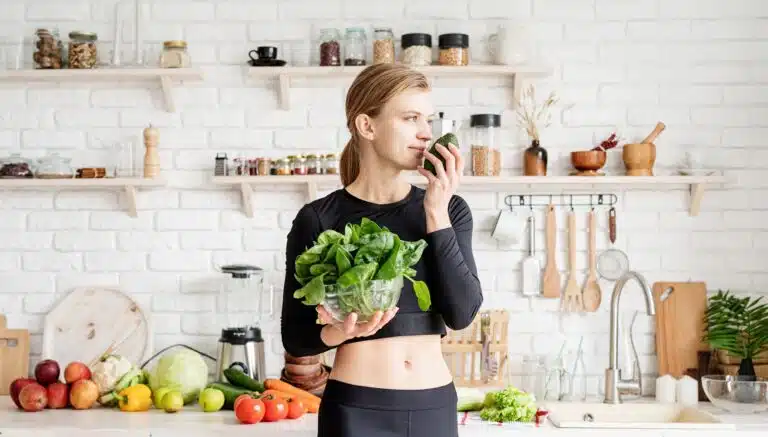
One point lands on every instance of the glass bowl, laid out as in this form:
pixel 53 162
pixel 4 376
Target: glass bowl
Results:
pixel 363 299
pixel 736 394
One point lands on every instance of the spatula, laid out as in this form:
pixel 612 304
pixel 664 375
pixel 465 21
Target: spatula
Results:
pixel 531 267
pixel 591 293
pixel 551 280
pixel 571 300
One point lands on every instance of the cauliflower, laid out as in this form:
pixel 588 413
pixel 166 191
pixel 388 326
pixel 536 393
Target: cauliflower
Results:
pixel 108 371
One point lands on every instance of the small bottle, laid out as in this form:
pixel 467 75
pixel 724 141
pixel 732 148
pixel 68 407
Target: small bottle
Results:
pixel 151 157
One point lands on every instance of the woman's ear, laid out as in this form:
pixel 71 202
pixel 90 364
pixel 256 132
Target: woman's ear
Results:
pixel 364 126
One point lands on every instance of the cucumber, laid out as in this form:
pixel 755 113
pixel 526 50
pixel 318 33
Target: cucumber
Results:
pixel 444 140
pixel 238 378
pixel 230 393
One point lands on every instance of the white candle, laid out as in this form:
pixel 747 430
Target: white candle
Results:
pixel 665 389
pixel 687 391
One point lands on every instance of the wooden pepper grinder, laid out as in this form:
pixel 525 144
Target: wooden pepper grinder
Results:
pixel 151 157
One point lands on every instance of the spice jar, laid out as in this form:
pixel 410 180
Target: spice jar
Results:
pixel 299 165
pixel 283 167
pixel 175 55
pixel 49 49
pixel 54 166
pixel 383 46
pixel 330 47
pixel 354 46
pixel 417 49
pixel 82 50
pixel 331 164
pixel 486 157
pixel 314 164
pixel 454 49
pixel 265 166
pixel 14 166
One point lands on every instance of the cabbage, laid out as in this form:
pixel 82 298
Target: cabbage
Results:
pixel 184 371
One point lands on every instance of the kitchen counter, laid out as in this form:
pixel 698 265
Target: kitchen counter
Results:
pixel 192 422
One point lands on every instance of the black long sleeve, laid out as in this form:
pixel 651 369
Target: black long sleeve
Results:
pixel 455 286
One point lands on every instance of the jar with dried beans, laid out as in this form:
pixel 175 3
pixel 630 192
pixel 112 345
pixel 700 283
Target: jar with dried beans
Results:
pixel 454 49
pixel 330 47
pixel 383 46
pixel 486 156
pixel 83 53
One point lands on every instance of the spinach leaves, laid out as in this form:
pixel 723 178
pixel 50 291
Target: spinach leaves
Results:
pixel 363 253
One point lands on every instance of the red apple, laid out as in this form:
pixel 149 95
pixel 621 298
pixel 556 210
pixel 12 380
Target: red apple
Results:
pixel 47 372
pixel 16 387
pixel 58 395
pixel 33 397
pixel 83 394
pixel 76 371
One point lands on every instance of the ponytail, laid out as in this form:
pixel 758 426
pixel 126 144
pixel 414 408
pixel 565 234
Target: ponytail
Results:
pixel 349 163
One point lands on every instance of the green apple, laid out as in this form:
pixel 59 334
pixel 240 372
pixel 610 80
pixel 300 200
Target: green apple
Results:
pixel 173 401
pixel 211 400
pixel 157 396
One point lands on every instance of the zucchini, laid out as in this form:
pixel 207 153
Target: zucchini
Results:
pixel 444 140
pixel 230 393
pixel 238 378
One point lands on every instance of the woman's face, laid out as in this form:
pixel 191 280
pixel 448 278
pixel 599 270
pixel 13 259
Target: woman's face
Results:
pixel 401 132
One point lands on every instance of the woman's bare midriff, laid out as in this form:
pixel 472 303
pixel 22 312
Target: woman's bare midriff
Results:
pixel 407 362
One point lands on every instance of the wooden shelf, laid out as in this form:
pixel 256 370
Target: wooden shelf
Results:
pixel 522 184
pixel 128 185
pixel 284 75
pixel 165 76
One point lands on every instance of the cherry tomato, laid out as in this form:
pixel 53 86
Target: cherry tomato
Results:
pixel 295 408
pixel 250 410
pixel 274 408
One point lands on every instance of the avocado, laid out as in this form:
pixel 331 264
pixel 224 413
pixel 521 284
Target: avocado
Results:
pixel 443 140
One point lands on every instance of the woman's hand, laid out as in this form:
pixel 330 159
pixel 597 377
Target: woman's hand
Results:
pixel 350 328
pixel 441 187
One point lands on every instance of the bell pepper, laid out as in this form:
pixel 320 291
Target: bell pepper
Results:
pixel 135 398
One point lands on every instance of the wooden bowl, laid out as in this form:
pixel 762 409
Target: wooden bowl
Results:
pixel 639 158
pixel 588 161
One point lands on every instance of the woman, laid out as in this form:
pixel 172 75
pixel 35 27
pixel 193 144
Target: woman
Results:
pixel 389 377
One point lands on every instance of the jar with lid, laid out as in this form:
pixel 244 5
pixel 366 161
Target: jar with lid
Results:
pixel 330 47
pixel 331 164
pixel 417 49
pixel 15 166
pixel 265 166
pixel 49 49
pixel 354 46
pixel 383 46
pixel 314 164
pixel 82 50
pixel 486 157
pixel 454 49
pixel 283 167
pixel 299 165
pixel 54 166
pixel 175 55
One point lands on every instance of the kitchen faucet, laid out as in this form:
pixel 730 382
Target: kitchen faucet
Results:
pixel 613 382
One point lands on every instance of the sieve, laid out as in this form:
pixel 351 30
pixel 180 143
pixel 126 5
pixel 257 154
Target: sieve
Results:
pixel 612 263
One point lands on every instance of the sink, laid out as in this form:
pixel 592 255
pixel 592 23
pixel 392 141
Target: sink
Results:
pixel 630 415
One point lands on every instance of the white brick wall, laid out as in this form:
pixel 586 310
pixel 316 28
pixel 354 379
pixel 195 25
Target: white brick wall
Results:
pixel 698 65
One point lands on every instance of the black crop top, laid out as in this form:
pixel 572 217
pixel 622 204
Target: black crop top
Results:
pixel 447 266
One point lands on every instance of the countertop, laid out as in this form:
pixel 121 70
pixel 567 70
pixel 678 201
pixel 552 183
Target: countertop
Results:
pixel 191 422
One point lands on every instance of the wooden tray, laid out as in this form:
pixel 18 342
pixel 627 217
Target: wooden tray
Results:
pixel 463 351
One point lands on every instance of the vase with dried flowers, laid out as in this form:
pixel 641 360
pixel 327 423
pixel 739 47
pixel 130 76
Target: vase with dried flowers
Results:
pixel 534 117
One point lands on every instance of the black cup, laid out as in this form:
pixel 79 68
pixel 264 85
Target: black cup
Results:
pixel 264 53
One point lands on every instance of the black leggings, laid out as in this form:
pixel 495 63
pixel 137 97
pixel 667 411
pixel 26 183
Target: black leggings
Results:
pixel 350 410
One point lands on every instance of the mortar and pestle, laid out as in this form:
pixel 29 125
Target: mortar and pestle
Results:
pixel 640 157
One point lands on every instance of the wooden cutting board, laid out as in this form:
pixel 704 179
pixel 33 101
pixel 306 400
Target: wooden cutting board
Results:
pixel 680 310
pixel 14 355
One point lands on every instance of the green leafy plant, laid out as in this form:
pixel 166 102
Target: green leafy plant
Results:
pixel 365 252
pixel 737 325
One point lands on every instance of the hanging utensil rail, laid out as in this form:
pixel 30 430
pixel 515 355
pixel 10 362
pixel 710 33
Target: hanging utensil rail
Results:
pixel 570 200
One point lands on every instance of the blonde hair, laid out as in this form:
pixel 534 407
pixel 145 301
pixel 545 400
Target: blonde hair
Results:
pixel 370 91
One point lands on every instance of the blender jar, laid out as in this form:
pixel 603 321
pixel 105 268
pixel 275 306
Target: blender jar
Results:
pixel 486 156
pixel 241 298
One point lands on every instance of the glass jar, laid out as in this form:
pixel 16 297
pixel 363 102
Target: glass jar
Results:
pixel 82 50
pixel 331 164
pixel 314 164
pixel 49 49
pixel 283 167
pixel 265 166
pixel 54 166
pixel 330 47
pixel 383 46
pixel 175 55
pixel 15 166
pixel 486 157
pixel 299 165
pixel 354 46
pixel 454 49
pixel 417 49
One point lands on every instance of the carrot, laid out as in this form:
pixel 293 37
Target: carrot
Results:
pixel 310 401
pixel 278 394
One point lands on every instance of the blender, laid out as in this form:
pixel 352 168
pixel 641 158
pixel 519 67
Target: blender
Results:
pixel 241 343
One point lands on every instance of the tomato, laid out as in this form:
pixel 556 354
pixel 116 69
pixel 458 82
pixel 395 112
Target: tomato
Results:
pixel 295 408
pixel 250 410
pixel 240 398
pixel 274 408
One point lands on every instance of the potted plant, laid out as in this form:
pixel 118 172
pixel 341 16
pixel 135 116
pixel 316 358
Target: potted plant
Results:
pixel 739 326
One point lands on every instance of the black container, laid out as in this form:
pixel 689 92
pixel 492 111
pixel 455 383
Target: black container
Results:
pixel 453 40
pixel 415 39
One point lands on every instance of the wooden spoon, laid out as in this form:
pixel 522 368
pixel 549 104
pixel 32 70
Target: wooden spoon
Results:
pixel 572 300
pixel 551 279
pixel 591 292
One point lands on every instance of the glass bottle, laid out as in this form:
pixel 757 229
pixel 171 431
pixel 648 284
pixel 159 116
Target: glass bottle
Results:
pixel 330 47
pixel 331 164
pixel 383 46
pixel 354 46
